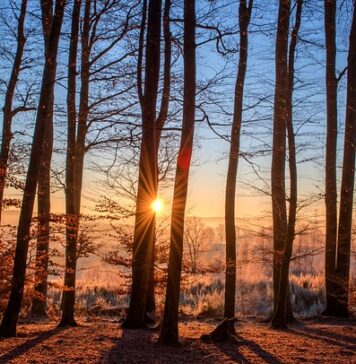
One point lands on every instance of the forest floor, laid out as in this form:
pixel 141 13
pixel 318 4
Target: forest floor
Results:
pixel 310 341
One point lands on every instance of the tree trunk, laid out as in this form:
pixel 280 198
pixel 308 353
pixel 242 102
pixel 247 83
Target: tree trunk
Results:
pixel 347 182
pixel 161 120
pixel 72 214
pixel 169 328
pixel 43 226
pixel 330 166
pixel 227 327
pixel 144 234
pixel 9 97
pixel 281 314
pixel 279 146
pixel 9 322
pixel 43 191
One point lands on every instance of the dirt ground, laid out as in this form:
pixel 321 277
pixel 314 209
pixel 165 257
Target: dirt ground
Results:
pixel 312 341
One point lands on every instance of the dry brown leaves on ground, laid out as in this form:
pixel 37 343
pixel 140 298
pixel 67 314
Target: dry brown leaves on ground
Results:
pixel 317 341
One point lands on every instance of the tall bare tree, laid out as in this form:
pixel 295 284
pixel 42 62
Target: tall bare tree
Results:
pixel 347 182
pixel 227 329
pixel 8 111
pixel 98 58
pixel 44 189
pixel 330 157
pixel 144 233
pixel 159 125
pixel 280 316
pixel 9 321
pixel 71 206
pixel 279 209
pixel 169 327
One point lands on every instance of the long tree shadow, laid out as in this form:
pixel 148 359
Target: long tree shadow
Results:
pixel 28 345
pixel 136 346
pixel 331 335
pixel 327 337
pixel 252 346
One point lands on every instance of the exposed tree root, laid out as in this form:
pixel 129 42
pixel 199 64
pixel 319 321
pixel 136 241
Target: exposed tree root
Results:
pixel 224 332
pixel 65 323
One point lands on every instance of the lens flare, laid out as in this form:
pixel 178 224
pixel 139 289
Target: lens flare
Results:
pixel 157 205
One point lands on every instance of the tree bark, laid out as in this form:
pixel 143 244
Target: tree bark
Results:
pixel 280 316
pixel 330 159
pixel 144 233
pixel 43 226
pixel 9 97
pixel 43 191
pixel 279 146
pixel 169 328
pixel 227 327
pixel 72 213
pixel 9 322
pixel 347 182
pixel 160 122
pixel 230 193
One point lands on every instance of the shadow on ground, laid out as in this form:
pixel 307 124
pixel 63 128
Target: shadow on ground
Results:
pixel 29 345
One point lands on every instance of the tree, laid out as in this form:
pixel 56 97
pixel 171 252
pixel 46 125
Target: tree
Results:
pixel 330 157
pixel 226 329
pixel 98 55
pixel 196 236
pixel 144 232
pixel 71 206
pixel 347 182
pixel 8 111
pixel 279 144
pixel 9 321
pixel 159 125
pixel 169 327
pixel 280 316
pixel 44 189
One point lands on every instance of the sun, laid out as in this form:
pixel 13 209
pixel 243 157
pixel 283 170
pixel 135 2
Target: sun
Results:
pixel 157 205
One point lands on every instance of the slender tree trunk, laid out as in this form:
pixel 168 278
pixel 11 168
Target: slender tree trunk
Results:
pixel 161 120
pixel 9 97
pixel 43 191
pixel 227 328
pixel 169 328
pixel 72 216
pixel 230 193
pixel 9 322
pixel 279 145
pixel 280 316
pixel 144 234
pixel 330 159
pixel 347 182
pixel 43 226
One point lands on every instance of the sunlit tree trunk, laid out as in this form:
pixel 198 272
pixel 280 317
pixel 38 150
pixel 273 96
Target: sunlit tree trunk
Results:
pixel 169 327
pixel 230 193
pixel 330 158
pixel 347 182
pixel 9 97
pixel 227 328
pixel 144 233
pixel 72 207
pixel 160 122
pixel 9 322
pixel 279 145
pixel 43 191
pixel 43 226
pixel 280 316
